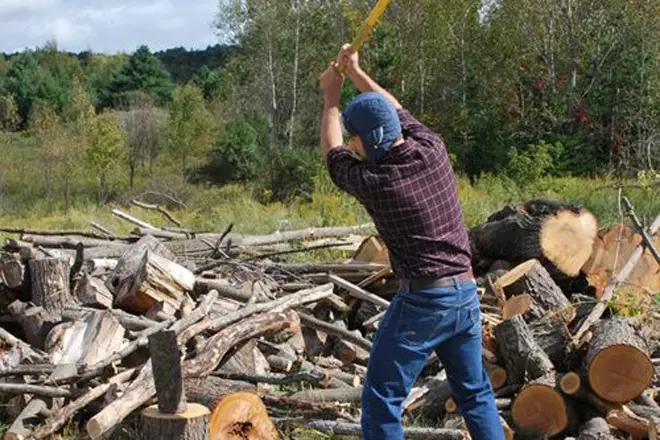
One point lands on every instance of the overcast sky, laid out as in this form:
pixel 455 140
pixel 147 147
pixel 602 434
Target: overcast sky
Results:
pixel 107 26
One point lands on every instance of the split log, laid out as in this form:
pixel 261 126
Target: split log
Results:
pixel 22 426
pixel 621 276
pixel 330 380
pixel 166 366
pixel 429 398
pixel 248 359
pixel 142 388
pixel 93 337
pixel 92 292
pixel 541 410
pixel 191 424
pixel 559 234
pixel 353 429
pixel 612 249
pixel 523 358
pixel 50 283
pixel 157 279
pixel 617 361
pixel 241 415
pixel 121 280
pixel 533 279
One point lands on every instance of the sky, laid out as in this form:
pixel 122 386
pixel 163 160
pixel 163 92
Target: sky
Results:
pixel 107 26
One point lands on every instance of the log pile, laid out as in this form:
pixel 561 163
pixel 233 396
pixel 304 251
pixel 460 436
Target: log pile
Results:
pixel 205 335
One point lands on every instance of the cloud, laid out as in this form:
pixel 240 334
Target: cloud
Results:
pixel 108 25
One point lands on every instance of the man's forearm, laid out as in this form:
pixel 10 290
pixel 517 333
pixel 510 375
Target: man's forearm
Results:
pixel 330 127
pixel 365 83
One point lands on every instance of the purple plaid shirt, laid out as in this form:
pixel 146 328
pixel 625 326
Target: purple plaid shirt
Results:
pixel 413 199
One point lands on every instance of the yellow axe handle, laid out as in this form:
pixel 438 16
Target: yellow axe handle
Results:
pixel 372 20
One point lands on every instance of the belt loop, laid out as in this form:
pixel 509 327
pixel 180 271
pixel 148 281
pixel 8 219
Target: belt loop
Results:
pixel 408 285
pixel 457 283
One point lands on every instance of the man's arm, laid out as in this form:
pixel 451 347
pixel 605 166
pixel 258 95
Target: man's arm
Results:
pixel 331 82
pixel 360 78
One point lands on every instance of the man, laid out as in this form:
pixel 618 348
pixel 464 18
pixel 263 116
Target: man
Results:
pixel 403 177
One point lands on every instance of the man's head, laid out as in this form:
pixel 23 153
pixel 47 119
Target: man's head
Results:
pixel 374 120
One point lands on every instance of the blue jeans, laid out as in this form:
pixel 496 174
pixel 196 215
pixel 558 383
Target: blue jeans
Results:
pixel 447 320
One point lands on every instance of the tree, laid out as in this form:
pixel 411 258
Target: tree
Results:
pixel 45 127
pixel 190 127
pixel 22 82
pixel 144 72
pixel 104 149
pixel 9 118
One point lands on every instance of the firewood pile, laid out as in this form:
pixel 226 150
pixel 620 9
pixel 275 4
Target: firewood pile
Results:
pixel 213 335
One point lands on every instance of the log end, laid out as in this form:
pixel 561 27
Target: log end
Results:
pixel 540 410
pixel 620 373
pixel 242 413
pixel 497 376
pixel 567 239
pixel 570 383
pixel 192 411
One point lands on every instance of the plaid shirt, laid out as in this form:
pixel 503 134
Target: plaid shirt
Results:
pixel 413 199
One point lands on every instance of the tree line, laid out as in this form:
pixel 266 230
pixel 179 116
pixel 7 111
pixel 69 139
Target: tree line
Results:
pixel 518 88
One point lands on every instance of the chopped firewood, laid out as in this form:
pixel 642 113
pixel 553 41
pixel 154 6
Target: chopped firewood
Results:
pixel 562 235
pixel 617 361
pixel 87 340
pixel 36 322
pixel 166 366
pixel 21 426
pixel 541 410
pixel 523 358
pixel 248 359
pixel 92 292
pixel 516 305
pixel 532 279
pixel 342 395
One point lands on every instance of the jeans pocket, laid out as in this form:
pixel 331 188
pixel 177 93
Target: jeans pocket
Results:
pixel 418 324
pixel 473 318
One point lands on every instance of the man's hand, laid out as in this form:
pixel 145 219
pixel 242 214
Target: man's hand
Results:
pixel 349 59
pixel 331 82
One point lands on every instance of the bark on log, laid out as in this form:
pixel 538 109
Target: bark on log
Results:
pixel 596 428
pixel 342 395
pixel 70 243
pixel 191 424
pixel 12 272
pixel 523 358
pixel 166 365
pixel 92 292
pixel 216 347
pixel 533 279
pixel 50 283
pixel 248 360
pixel 320 409
pixel 122 215
pixel 157 279
pixel 278 363
pixel 37 390
pixel 208 391
pixel 617 361
pixel 553 337
pixel 312 322
pixel 35 322
pixel 22 426
pixel 27 352
pixel 158 208
pixel 354 429
pixel 541 410
pixel 562 236
pixel 358 292
pixel 429 398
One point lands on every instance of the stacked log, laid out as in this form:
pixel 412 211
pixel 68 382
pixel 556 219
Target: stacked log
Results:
pixel 234 342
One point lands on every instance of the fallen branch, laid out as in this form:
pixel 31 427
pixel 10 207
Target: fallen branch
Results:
pixel 37 390
pixel 317 324
pixel 288 402
pixel 312 377
pixel 27 351
pixel 122 215
pixel 103 229
pixel 358 292
pixel 354 429
pixel 158 208
pixel 343 395
pixel 80 232
pixel 619 278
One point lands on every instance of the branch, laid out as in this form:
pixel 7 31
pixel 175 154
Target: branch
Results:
pixel 158 208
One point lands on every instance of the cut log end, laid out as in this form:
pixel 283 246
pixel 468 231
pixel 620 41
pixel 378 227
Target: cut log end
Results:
pixel 570 383
pixel 243 415
pixel 192 424
pixel 567 239
pixel 620 373
pixel 497 376
pixel 540 410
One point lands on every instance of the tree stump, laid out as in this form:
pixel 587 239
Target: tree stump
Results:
pixel 50 283
pixel 523 358
pixel 541 410
pixel 533 279
pixel 618 364
pixel 192 424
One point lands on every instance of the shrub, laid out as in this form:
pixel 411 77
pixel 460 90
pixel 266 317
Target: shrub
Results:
pixel 235 156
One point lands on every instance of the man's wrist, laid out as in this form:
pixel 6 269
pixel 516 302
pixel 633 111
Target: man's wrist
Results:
pixel 332 100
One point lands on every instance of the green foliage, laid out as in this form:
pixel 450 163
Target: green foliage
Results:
pixel 105 147
pixel 9 118
pixel 190 126
pixel 144 72
pixel 79 110
pixel 236 155
pixel 290 173
pixel 535 162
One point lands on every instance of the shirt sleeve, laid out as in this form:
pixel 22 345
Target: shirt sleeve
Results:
pixel 414 129
pixel 346 171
